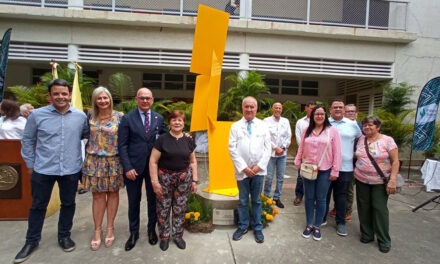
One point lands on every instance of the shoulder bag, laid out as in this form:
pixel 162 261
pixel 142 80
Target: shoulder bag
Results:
pixel 309 171
pixel 399 181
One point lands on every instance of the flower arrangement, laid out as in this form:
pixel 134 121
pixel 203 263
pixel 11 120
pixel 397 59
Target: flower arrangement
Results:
pixel 198 216
pixel 269 210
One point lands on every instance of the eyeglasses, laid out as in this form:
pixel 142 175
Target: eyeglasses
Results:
pixel 319 114
pixel 350 111
pixel 141 98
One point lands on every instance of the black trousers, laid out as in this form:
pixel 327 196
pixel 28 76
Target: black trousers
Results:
pixel 134 194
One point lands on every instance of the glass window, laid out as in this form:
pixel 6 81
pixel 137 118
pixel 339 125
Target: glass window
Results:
pixel 290 87
pixel 309 88
pixel 152 80
pixel 37 73
pixel 273 85
pixel 173 81
pixel 190 81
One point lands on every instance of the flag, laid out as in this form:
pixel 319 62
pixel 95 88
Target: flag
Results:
pixel 76 93
pixel 427 109
pixel 4 49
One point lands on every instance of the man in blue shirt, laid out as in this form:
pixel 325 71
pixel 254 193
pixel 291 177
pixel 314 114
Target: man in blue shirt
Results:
pixel 348 131
pixel 51 148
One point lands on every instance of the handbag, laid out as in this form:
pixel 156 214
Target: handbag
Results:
pixel 309 171
pixel 399 182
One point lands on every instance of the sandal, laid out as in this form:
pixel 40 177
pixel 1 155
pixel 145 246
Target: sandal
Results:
pixel 95 244
pixel 109 240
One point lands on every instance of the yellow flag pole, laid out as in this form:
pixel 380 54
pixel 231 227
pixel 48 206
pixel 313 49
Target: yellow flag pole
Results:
pixel 54 69
pixel 76 92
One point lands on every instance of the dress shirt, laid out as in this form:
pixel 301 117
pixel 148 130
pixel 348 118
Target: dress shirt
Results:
pixel 348 131
pixel 248 150
pixel 12 129
pixel 311 149
pixel 51 141
pixel 280 133
pixel 301 126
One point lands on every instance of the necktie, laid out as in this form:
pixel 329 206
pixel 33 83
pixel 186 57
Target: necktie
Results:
pixel 249 127
pixel 147 123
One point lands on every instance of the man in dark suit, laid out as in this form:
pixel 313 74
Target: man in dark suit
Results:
pixel 137 133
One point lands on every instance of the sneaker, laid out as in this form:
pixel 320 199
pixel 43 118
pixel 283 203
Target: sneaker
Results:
pixel 341 230
pixel 307 232
pixel 317 234
pixel 332 213
pixel 279 203
pixel 324 223
pixel 238 234
pixel 348 216
pixel 259 237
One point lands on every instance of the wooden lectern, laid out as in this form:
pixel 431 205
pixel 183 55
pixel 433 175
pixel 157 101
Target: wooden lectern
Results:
pixel 15 183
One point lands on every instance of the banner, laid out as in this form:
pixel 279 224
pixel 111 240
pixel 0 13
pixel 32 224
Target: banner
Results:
pixel 427 109
pixel 4 49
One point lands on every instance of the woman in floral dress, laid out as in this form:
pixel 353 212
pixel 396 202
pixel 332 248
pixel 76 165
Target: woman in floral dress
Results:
pixel 102 170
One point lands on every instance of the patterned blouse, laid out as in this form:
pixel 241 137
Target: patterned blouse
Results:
pixel 365 171
pixel 103 140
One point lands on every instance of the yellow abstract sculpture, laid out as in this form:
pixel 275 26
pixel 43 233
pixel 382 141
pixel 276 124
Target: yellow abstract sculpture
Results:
pixel 207 57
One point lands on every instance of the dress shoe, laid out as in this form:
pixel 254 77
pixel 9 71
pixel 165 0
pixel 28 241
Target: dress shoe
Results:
pixel 297 201
pixel 82 191
pixel 180 243
pixel 279 203
pixel 152 238
pixel 164 244
pixel 366 240
pixel 66 244
pixel 383 248
pixel 25 253
pixel 131 242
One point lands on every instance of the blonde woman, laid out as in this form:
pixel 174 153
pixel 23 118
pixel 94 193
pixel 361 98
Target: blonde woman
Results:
pixel 102 170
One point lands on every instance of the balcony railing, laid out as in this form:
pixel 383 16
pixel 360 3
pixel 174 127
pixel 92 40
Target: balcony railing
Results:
pixel 369 14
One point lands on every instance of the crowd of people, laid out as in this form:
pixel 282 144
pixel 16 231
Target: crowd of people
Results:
pixel 137 149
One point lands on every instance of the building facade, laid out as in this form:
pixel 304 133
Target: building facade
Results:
pixel 307 49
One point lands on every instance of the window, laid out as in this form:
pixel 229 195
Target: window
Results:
pixel 173 82
pixel 152 80
pixel 290 87
pixel 190 82
pixel 37 73
pixel 273 85
pixel 309 88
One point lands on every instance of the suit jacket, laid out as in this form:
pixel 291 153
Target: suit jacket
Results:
pixel 134 144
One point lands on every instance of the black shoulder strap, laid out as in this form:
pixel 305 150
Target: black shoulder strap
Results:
pixel 385 180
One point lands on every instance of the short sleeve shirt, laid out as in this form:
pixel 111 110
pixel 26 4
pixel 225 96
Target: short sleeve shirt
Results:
pixel 365 171
pixel 174 153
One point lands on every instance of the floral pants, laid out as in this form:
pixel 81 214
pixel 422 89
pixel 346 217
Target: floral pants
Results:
pixel 176 187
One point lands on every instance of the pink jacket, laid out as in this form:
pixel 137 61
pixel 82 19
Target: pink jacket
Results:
pixel 311 149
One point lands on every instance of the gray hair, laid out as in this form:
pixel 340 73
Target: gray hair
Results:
pixel 249 98
pixel 95 94
pixel 372 119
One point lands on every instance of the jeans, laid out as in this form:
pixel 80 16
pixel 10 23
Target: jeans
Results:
pixel 339 188
pixel 42 186
pixel 278 163
pixel 299 188
pixel 316 193
pixel 253 187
